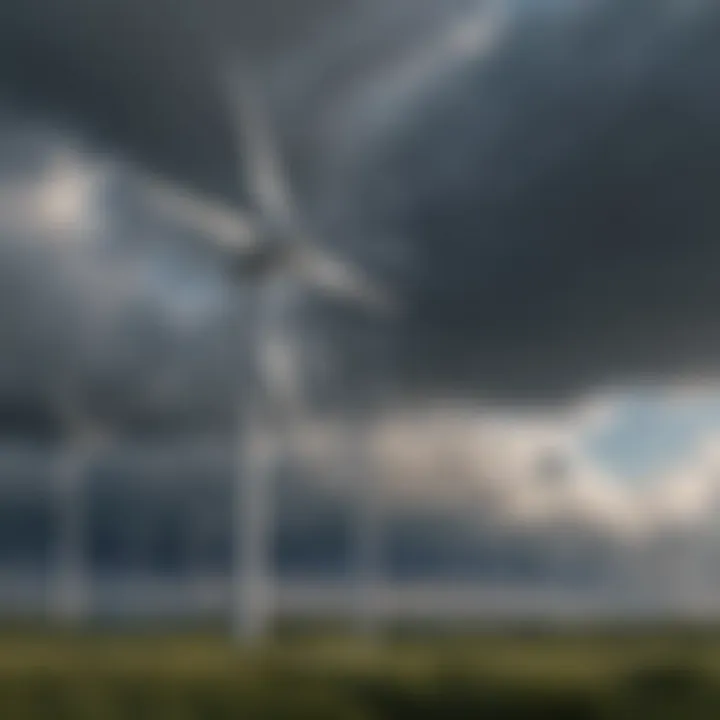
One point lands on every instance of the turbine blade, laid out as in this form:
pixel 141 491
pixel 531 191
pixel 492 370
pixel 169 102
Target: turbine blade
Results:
pixel 268 185
pixel 264 173
pixel 337 279
pixel 223 226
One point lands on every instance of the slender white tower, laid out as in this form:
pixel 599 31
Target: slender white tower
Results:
pixel 70 586
pixel 369 565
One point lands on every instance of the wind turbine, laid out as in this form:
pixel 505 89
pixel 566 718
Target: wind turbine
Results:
pixel 271 245
pixel 85 439
pixel 86 435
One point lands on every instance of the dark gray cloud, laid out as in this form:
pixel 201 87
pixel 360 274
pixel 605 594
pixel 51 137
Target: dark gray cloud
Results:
pixel 564 205
pixel 557 195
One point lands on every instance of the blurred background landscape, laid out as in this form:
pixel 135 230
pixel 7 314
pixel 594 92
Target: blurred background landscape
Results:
pixel 502 498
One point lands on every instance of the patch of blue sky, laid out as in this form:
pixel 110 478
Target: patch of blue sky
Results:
pixel 653 431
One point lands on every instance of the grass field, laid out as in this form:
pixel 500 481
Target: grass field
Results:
pixel 653 674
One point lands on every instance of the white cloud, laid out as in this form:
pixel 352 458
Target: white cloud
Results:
pixel 462 459
pixel 68 209
pixel 688 495
pixel 491 463
pixel 59 203
pixel 446 38
pixel 67 197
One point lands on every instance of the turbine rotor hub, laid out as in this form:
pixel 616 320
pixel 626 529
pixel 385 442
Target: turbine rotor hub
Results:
pixel 272 254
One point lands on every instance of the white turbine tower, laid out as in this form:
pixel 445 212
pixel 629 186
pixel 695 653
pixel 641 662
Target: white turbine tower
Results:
pixel 272 246
pixel 85 439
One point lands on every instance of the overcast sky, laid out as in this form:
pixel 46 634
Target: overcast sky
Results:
pixel 537 179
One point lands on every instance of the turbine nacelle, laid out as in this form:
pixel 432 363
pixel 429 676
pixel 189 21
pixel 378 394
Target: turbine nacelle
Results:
pixel 271 253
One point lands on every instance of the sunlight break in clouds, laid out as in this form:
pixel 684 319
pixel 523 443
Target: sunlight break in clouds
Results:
pixel 538 469
pixel 464 35
pixel 61 203
pixel 68 200
pixel 530 468
pixel 71 206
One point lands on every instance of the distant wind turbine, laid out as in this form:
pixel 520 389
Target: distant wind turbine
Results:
pixel 86 435
pixel 83 440
pixel 271 245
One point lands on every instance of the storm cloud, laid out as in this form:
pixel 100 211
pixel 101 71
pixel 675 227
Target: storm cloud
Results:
pixel 548 184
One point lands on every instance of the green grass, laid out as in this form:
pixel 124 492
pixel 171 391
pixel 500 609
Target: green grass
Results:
pixel 659 674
